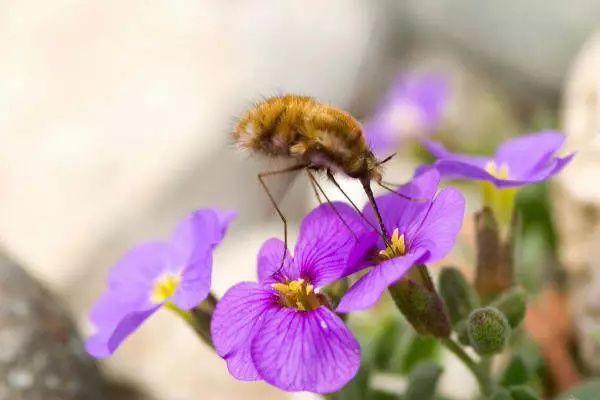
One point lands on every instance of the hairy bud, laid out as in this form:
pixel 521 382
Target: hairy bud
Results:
pixel 494 269
pixel 513 304
pixel 423 308
pixel 459 296
pixel 488 331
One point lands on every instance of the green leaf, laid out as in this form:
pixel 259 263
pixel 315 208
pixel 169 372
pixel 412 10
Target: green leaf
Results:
pixel 523 392
pixel 501 394
pixel 422 382
pixel 386 342
pixel 596 333
pixel 460 297
pixel 413 350
pixel 586 391
pixel 357 388
pixel 515 372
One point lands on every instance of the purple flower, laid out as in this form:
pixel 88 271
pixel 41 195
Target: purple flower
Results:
pixel 421 232
pixel 176 273
pixel 414 105
pixel 280 329
pixel 518 161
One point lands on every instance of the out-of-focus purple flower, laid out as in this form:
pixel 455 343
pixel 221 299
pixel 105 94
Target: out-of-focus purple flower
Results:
pixel 152 274
pixel 518 161
pixel 412 107
pixel 420 232
pixel 280 329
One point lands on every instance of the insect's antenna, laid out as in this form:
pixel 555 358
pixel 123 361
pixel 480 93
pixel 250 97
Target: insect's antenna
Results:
pixel 366 183
pixel 405 197
pixel 314 181
pixel 388 158
pixel 335 182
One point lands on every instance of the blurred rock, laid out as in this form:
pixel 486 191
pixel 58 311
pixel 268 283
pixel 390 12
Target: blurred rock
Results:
pixel 531 42
pixel 41 353
pixel 577 197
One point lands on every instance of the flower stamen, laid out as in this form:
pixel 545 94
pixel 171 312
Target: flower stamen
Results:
pixel 396 248
pixel 164 287
pixel 498 172
pixel 297 294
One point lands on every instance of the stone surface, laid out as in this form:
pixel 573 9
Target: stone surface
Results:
pixel 577 197
pixel 41 353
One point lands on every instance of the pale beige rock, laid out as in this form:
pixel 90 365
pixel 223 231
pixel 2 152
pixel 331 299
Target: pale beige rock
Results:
pixel 577 196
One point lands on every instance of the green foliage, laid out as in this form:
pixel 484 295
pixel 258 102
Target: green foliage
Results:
pixel 589 390
pixel 515 372
pixel 460 297
pixel 596 333
pixel 501 394
pixel 422 382
pixel 489 331
pixel 523 392
pixel 513 304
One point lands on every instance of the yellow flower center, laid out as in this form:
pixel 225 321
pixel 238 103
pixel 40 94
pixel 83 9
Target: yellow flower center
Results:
pixel 499 172
pixel 297 294
pixel 396 248
pixel 164 287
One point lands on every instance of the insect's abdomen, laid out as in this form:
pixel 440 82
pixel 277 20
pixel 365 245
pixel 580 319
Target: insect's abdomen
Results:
pixel 275 125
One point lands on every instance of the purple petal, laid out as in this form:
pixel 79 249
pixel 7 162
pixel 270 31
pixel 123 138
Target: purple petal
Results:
pixel 452 165
pixel 194 284
pixel 135 273
pixel 114 320
pixel 225 217
pixel 325 243
pixel 437 232
pixel 398 212
pixel 195 235
pixel 235 321
pixel 305 351
pixel 525 154
pixel 269 260
pixel 361 255
pixel 369 288
pixel 552 168
pixel 412 96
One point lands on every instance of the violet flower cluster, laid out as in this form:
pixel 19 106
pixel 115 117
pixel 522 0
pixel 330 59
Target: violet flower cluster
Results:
pixel 283 329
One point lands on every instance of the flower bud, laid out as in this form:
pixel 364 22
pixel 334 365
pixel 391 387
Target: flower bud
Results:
pixel 513 305
pixel 459 296
pixel 494 269
pixel 423 308
pixel 488 331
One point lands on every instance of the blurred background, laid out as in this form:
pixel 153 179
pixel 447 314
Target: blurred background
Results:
pixel 116 119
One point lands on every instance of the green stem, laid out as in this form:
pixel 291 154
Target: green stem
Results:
pixel 481 370
pixel 198 317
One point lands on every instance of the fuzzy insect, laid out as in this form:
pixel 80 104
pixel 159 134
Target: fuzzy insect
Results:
pixel 320 137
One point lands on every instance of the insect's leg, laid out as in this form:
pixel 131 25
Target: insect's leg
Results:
pixel 335 182
pixel 314 181
pixel 261 179
pixel 314 187
pixel 389 189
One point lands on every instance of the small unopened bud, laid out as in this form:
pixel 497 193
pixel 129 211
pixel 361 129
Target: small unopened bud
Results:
pixel 513 304
pixel 488 331
pixel 462 332
pixel 335 291
pixel 494 269
pixel 459 296
pixel 423 308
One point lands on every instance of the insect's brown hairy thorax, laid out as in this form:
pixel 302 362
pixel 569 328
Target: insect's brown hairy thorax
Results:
pixel 317 134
